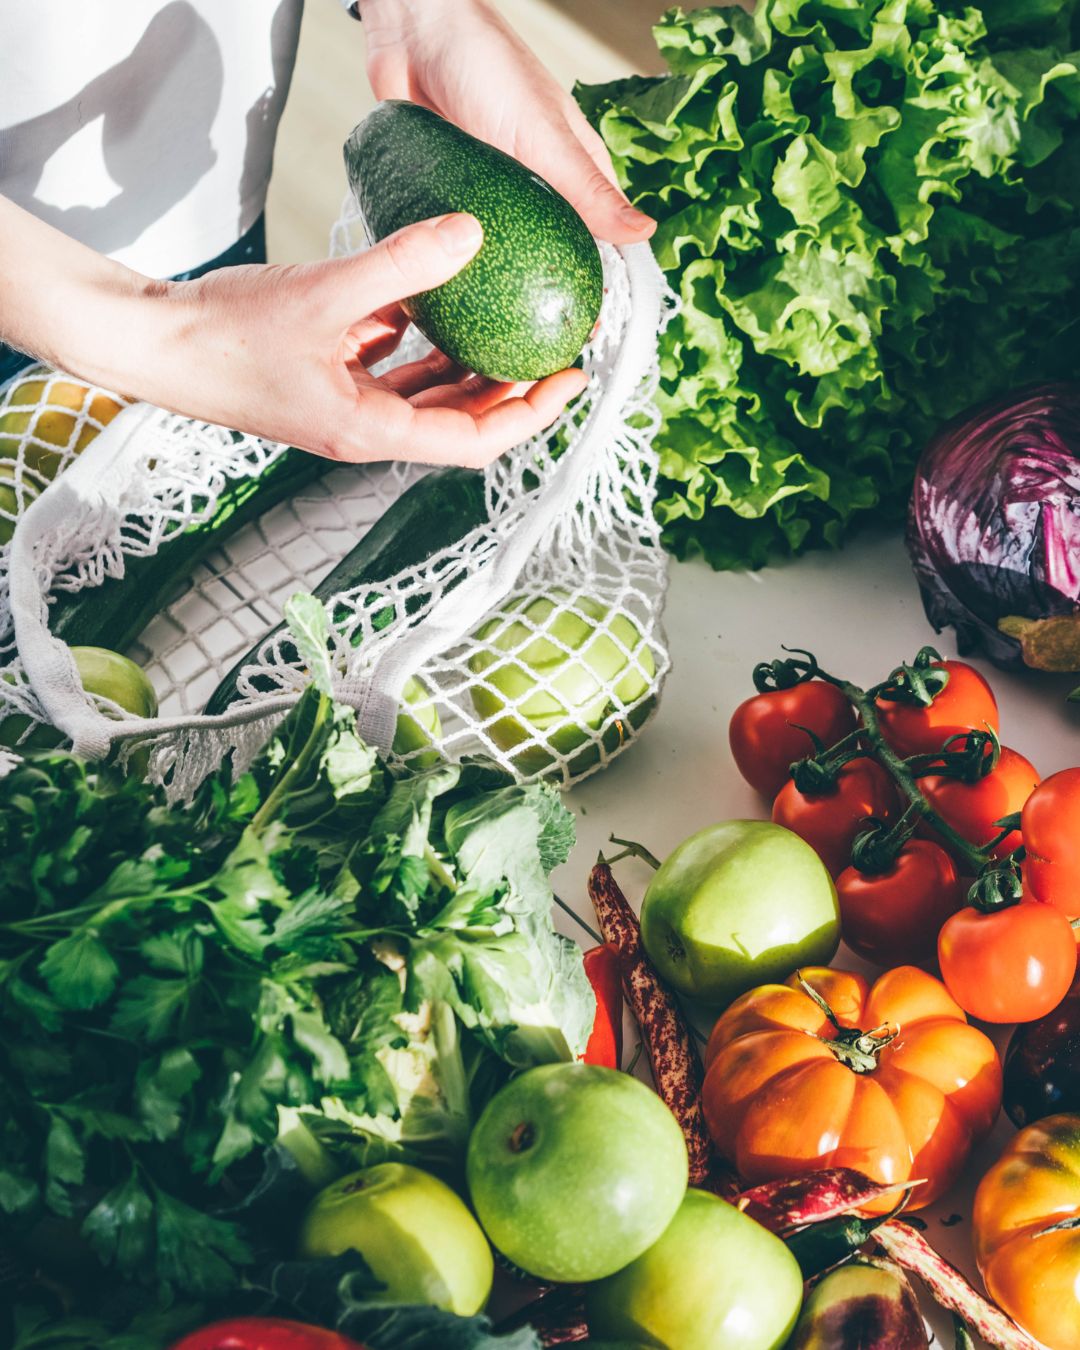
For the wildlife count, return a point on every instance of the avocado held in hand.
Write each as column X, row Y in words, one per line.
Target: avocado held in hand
column 522, row 308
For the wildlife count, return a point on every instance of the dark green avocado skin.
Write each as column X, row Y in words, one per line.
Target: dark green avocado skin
column 526, row 304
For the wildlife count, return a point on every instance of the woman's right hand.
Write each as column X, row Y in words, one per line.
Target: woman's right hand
column 286, row 351
column 283, row 352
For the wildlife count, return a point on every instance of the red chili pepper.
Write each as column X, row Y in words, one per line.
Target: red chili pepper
column 605, row 1043
column 676, row 1068
column 265, row 1333
column 828, row 1194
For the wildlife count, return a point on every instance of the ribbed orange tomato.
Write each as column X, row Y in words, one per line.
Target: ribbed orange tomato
column 896, row 1084
column 1027, row 1230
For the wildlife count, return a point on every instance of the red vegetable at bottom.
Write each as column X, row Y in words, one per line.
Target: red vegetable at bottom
column 265, row 1333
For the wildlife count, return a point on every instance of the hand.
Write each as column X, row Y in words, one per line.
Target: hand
column 281, row 352
column 461, row 59
column 290, row 360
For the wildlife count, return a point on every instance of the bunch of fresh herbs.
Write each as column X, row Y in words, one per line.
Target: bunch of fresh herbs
column 313, row 942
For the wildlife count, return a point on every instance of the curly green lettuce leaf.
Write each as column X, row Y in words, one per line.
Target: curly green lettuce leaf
column 869, row 212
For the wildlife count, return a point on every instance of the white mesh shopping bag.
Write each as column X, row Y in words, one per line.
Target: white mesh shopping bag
column 534, row 639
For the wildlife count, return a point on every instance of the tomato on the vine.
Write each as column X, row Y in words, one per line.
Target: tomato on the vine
column 966, row 703
column 973, row 809
column 766, row 731
column 1008, row 965
column 1050, row 826
column 893, row 917
column 830, row 820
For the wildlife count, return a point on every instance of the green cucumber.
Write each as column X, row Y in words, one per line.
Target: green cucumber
column 526, row 304
column 434, row 513
column 115, row 613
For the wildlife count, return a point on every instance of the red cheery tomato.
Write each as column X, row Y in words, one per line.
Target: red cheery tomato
column 893, row 917
column 966, row 703
column 973, row 809
column 765, row 736
column 605, row 1042
column 829, row 821
column 265, row 1333
column 1008, row 965
column 1051, row 830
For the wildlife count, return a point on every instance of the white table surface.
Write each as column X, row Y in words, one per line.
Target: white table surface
column 859, row 611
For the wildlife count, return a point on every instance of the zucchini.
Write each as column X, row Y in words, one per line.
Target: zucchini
column 434, row 513
column 115, row 613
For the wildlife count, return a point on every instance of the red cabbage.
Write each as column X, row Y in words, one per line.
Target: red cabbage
column 994, row 528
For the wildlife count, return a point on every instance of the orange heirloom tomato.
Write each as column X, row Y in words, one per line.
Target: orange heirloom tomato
column 1050, row 825
column 1030, row 1266
column 899, row 1088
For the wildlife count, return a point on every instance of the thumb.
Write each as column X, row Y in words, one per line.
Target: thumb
column 417, row 258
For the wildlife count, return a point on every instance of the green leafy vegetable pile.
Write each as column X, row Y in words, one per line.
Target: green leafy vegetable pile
column 315, row 945
column 870, row 210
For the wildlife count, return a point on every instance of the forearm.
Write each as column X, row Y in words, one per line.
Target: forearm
column 70, row 306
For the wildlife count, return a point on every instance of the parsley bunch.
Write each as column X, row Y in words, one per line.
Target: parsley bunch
column 314, row 941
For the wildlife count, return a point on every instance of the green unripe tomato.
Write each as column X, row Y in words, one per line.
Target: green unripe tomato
column 559, row 697
column 714, row 1278
column 102, row 672
column 417, row 728
column 741, row 903
column 415, row 1233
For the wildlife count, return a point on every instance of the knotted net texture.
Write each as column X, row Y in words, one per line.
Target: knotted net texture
column 535, row 638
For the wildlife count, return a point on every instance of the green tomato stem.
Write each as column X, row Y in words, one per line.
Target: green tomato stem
column 631, row 849
column 861, row 700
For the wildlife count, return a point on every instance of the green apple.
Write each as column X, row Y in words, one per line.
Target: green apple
column 417, row 727
column 548, row 662
column 102, row 672
column 575, row 1169
column 715, row 1278
column 414, row 1232
column 739, row 904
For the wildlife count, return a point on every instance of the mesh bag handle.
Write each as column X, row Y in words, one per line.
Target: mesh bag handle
column 95, row 483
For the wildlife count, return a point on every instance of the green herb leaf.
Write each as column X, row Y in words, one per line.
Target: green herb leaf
column 120, row 1227
column 79, row 970
column 306, row 618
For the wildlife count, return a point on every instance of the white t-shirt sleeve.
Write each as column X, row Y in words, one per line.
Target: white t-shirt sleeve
column 147, row 134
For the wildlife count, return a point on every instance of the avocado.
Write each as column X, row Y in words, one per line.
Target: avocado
column 526, row 304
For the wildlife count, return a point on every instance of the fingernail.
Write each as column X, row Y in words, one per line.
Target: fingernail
column 634, row 219
column 460, row 233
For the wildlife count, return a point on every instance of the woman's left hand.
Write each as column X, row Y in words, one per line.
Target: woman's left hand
column 463, row 60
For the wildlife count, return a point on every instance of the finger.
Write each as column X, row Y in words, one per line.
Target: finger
column 415, row 376
column 593, row 143
column 473, row 396
column 450, row 435
column 375, row 338
column 568, row 166
column 453, row 436
column 414, row 259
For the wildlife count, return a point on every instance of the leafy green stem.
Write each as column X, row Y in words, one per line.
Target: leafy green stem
column 296, row 770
